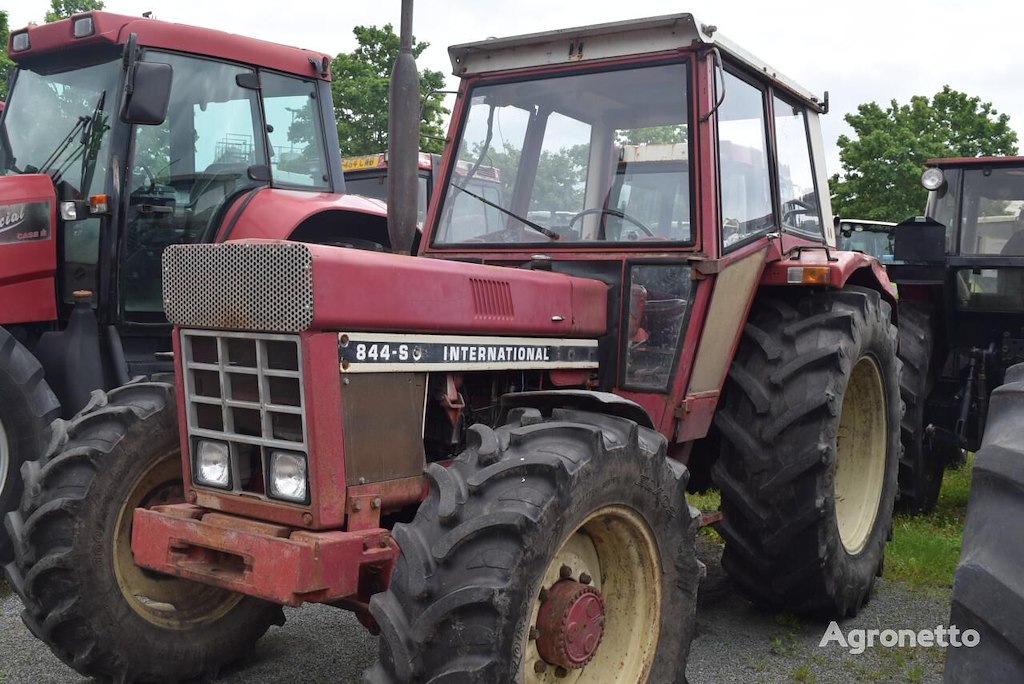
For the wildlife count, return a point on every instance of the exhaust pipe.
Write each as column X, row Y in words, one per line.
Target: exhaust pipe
column 403, row 140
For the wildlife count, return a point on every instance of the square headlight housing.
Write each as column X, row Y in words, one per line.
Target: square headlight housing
column 288, row 477
column 211, row 464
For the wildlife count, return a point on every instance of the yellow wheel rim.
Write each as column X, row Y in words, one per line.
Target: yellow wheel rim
column 165, row 601
column 613, row 552
column 860, row 455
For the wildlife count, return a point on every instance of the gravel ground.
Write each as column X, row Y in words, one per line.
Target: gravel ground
column 735, row 643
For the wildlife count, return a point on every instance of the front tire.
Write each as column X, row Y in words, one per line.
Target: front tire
column 538, row 526
column 810, row 421
column 83, row 594
column 27, row 407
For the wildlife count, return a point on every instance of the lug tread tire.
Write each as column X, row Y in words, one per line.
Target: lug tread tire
column 778, row 419
column 988, row 586
column 921, row 468
column 27, row 407
column 460, row 589
column 77, row 610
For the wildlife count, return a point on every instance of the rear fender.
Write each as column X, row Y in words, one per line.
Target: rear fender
column 844, row 268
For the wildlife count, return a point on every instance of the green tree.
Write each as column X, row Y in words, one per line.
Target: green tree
column 360, row 89
column 882, row 164
column 5, row 63
column 62, row 9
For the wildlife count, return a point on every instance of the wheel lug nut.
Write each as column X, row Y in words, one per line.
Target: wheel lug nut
column 585, row 578
column 534, row 634
column 540, row 666
column 561, row 672
column 565, row 572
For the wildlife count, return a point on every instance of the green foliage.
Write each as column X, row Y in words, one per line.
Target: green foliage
column 882, row 164
column 62, row 9
column 5, row 63
column 360, row 90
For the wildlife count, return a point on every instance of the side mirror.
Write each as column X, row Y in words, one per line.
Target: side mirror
column 147, row 92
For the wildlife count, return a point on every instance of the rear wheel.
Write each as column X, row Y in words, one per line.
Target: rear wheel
column 921, row 465
column 27, row 407
column 810, row 426
column 83, row 594
column 551, row 550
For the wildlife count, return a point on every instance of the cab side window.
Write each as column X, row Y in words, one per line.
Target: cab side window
column 294, row 131
column 798, row 197
column 746, row 203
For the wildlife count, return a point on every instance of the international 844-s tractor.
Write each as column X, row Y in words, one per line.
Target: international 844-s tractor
column 484, row 449
column 123, row 135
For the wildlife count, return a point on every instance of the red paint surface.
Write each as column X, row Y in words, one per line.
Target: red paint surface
column 115, row 28
column 257, row 559
column 28, row 269
column 273, row 213
column 846, row 267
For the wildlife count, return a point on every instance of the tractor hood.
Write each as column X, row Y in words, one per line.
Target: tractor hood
column 28, row 250
column 269, row 285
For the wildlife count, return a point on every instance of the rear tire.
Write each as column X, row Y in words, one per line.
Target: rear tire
column 988, row 587
column 810, row 424
column 83, row 594
column 921, row 466
column 27, row 407
column 485, row 554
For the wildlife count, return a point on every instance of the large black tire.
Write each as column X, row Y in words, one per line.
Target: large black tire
column 27, row 407
column 83, row 595
column 921, row 466
column 988, row 587
column 497, row 524
column 810, row 424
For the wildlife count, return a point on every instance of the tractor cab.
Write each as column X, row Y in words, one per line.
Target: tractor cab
column 124, row 135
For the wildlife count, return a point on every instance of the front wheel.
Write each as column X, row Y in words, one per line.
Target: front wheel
column 557, row 549
column 810, row 419
column 83, row 594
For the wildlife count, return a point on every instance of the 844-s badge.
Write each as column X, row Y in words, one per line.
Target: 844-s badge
column 375, row 353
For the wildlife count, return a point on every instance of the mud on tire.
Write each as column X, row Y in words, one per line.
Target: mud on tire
column 73, row 569
column 810, row 424
column 27, row 407
column 535, row 497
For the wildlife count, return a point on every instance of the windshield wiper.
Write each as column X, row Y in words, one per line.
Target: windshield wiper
column 527, row 222
column 84, row 126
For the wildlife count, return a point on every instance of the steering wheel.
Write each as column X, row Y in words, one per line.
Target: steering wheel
column 612, row 212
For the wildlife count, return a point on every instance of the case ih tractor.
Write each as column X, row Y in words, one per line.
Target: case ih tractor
column 123, row 135
column 483, row 450
column 960, row 272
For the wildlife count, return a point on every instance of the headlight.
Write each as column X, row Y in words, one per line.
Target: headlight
column 932, row 179
column 20, row 42
column 288, row 478
column 213, row 464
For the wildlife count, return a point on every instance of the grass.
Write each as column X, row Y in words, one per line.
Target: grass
column 925, row 549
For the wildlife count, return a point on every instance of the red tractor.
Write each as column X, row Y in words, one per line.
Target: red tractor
column 484, row 450
column 121, row 136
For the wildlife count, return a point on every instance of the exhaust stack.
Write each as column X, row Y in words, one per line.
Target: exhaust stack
column 403, row 140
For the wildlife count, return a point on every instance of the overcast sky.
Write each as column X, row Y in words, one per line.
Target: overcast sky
column 860, row 51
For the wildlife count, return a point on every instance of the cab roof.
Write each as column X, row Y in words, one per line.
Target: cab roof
column 948, row 162
column 46, row 40
column 606, row 41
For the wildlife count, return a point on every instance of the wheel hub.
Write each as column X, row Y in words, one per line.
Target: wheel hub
column 570, row 624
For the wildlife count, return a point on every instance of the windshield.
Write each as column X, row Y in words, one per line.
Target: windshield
column 599, row 157
column 992, row 212
column 59, row 123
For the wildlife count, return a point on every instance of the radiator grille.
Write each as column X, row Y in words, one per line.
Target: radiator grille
column 240, row 286
column 244, row 390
